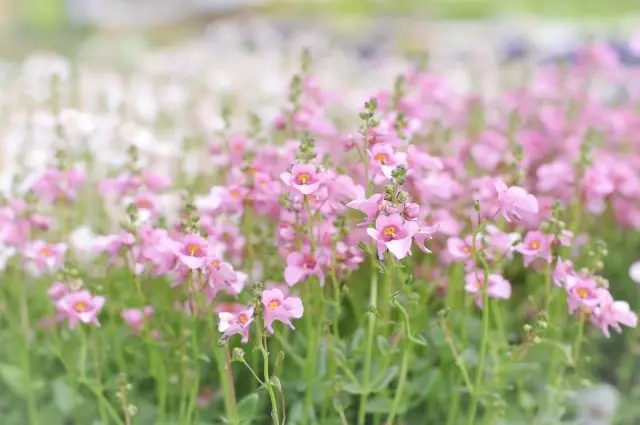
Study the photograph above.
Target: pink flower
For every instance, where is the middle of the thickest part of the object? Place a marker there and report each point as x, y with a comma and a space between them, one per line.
535, 245
501, 243
370, 207
57, 290
563, 269
384, 160
515, 202
497, 286
277, 307
611, 313
46, 257
232, 323
393, 234
81, 307
422, 235
145, 207
304, 178
53, 185
300, 266
218, 271
582, 293
193, 251
462, 249
135, 317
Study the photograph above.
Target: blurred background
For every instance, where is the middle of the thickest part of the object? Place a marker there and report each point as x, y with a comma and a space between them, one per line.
62, 24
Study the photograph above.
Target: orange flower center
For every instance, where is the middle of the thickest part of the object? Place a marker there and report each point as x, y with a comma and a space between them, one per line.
273, 305
382, 158
215, 264
389, 231
46, 252
309, 263
193, 249
235, 193
243, 318
582, 292
534, 245
303, 178
144, 204
80, 307
466, 249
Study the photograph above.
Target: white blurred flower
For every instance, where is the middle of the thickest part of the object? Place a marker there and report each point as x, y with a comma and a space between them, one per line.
634, 272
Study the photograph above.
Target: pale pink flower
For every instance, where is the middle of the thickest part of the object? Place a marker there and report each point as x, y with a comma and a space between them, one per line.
301, 265
46, 257
582, 293
515, 202
611, 313
232, 323
371, 207
563, 269
384, 160
80, 307
135, 317
304, 178
193, 251
497, 286
535, 245
394, 234
278, 307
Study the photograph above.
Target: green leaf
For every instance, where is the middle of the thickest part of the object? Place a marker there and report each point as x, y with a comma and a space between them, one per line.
65, 398
352, 388
379, 405
383, 345
420, 340
382, 381
563, 348
247, 408
16, 380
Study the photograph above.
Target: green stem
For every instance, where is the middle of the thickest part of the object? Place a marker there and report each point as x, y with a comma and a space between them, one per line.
312, 349
262, 346
26, 355
475, 396
373, 301
223, 362
404, 366
96, 365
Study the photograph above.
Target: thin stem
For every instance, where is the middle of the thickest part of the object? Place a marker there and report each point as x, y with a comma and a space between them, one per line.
475, 396
96, 366
456, 355
404, 366
366, 375
262, 346
26, 355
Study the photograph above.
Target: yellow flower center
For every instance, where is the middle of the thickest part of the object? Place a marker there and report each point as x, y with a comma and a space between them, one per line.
389, 231
144, 204
534, 245
382, 158
80, 307
582, 292
273, 305
46, 252
243, 318
309, 263
303, 178
215, 264
193, 249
